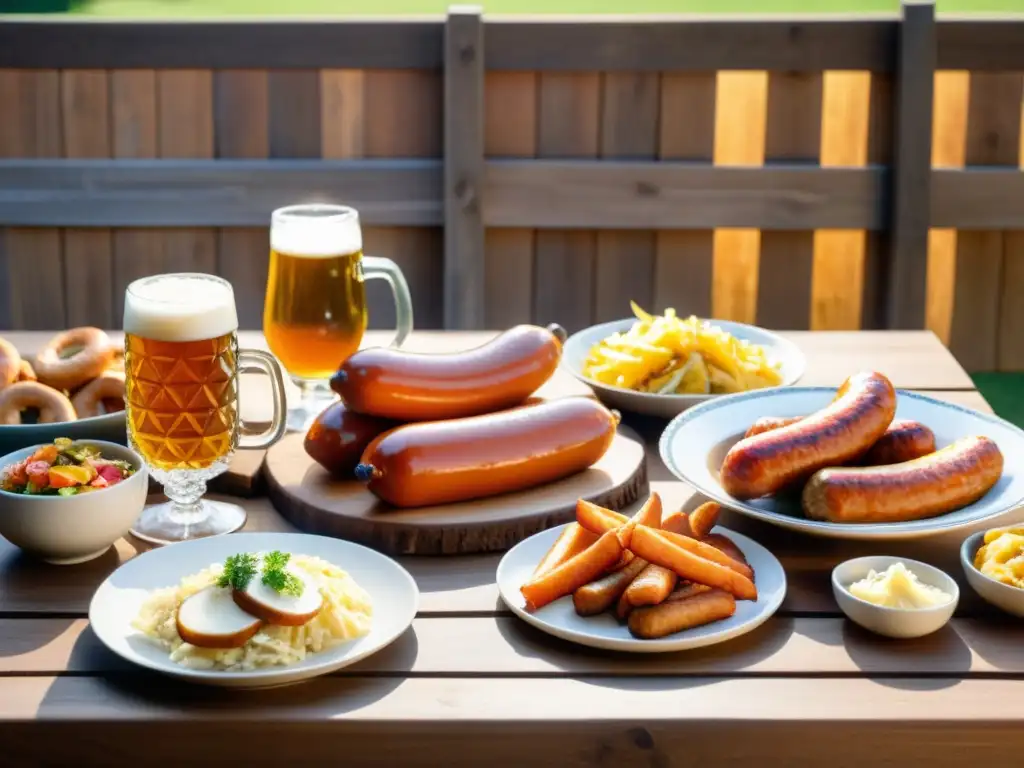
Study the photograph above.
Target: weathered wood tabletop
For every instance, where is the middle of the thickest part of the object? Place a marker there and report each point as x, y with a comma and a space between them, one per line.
471, 685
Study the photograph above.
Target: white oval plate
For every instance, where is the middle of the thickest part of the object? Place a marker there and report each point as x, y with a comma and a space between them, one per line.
694, 444
604, 631
577, 347
116, 603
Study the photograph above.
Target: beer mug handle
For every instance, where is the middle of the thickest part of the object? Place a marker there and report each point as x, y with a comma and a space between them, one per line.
376, 268
257, 361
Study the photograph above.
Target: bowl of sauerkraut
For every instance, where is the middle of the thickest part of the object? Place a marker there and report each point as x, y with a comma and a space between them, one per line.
253, 610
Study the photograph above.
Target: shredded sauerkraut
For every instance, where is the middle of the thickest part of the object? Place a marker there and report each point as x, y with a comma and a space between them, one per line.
346, 614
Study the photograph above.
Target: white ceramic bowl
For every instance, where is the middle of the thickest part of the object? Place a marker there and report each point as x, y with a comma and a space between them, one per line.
73, 529
893, 622
577, 347
1010, 599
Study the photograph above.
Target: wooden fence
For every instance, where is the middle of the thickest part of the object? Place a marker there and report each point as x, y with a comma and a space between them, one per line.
524, 170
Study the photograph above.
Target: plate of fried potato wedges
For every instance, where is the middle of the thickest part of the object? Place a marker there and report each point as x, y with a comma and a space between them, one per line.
647, 583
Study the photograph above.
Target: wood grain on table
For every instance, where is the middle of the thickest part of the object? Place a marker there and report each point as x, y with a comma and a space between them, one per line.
472, 685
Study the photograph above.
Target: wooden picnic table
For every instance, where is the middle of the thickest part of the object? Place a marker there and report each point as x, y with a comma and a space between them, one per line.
471, 685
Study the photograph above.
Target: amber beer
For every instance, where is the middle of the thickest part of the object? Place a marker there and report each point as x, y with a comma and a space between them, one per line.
315, 313
181, 371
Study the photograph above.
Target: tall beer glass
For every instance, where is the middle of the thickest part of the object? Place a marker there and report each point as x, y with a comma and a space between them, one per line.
181, 393
315, 311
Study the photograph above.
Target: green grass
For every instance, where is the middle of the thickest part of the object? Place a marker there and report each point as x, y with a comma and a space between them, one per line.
1004, 392
200, 8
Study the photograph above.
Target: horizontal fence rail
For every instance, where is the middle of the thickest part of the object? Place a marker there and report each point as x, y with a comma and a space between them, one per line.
646, 44
212, 193
535, 194
465, 191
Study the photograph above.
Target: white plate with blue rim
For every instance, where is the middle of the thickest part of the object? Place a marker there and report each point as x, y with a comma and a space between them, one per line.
117, 602
788, 355
694, 444
560, 619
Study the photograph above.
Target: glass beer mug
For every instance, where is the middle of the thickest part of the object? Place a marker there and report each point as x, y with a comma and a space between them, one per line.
315, 312
181, 364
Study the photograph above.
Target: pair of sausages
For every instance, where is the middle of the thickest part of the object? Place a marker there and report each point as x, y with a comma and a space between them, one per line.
425, 429
816, 448
902, 441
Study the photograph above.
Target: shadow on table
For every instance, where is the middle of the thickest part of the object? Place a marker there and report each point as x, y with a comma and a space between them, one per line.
620, 669
943, 653
33, 586
153, 696
439, 574
122, 686
30, 637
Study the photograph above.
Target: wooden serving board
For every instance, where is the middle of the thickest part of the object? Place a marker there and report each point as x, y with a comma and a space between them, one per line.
308, 497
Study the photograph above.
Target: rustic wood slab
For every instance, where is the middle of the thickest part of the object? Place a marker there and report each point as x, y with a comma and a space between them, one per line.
31, 587
464, 585
469, 684
307, 496
911, 359
506, 646
842, 722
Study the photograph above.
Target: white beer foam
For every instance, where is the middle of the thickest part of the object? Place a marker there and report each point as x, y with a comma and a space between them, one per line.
311, 237
182, 307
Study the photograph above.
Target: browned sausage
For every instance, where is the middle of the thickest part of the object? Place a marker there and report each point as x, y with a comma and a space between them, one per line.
338, 436
439, 462
411, 386
768, 423
950, 478
763, 464
595, 597
903, 440
673, 616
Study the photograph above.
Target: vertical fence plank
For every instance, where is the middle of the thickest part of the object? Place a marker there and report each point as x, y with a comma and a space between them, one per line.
342, 133
240, 110
838, 273
294, 105
6, 283
564, 263
876, 244
241, 130
993, 136
463, 168
683, 258
510, 130
88, 253
911, 177
32, 257
1010, 352
624, 265
403, 118
949, 141
739, 140
185, 129
786, 261
133, 107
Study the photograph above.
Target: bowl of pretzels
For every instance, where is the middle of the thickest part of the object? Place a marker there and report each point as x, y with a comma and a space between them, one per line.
72, 387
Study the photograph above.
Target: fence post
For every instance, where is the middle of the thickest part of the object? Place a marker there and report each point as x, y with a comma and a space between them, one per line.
463, 168
906, 290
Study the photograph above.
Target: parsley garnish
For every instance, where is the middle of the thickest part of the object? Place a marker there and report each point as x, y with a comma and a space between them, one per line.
238, 571
277, 578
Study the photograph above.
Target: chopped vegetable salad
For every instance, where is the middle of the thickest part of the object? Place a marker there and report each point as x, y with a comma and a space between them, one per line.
64, 469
